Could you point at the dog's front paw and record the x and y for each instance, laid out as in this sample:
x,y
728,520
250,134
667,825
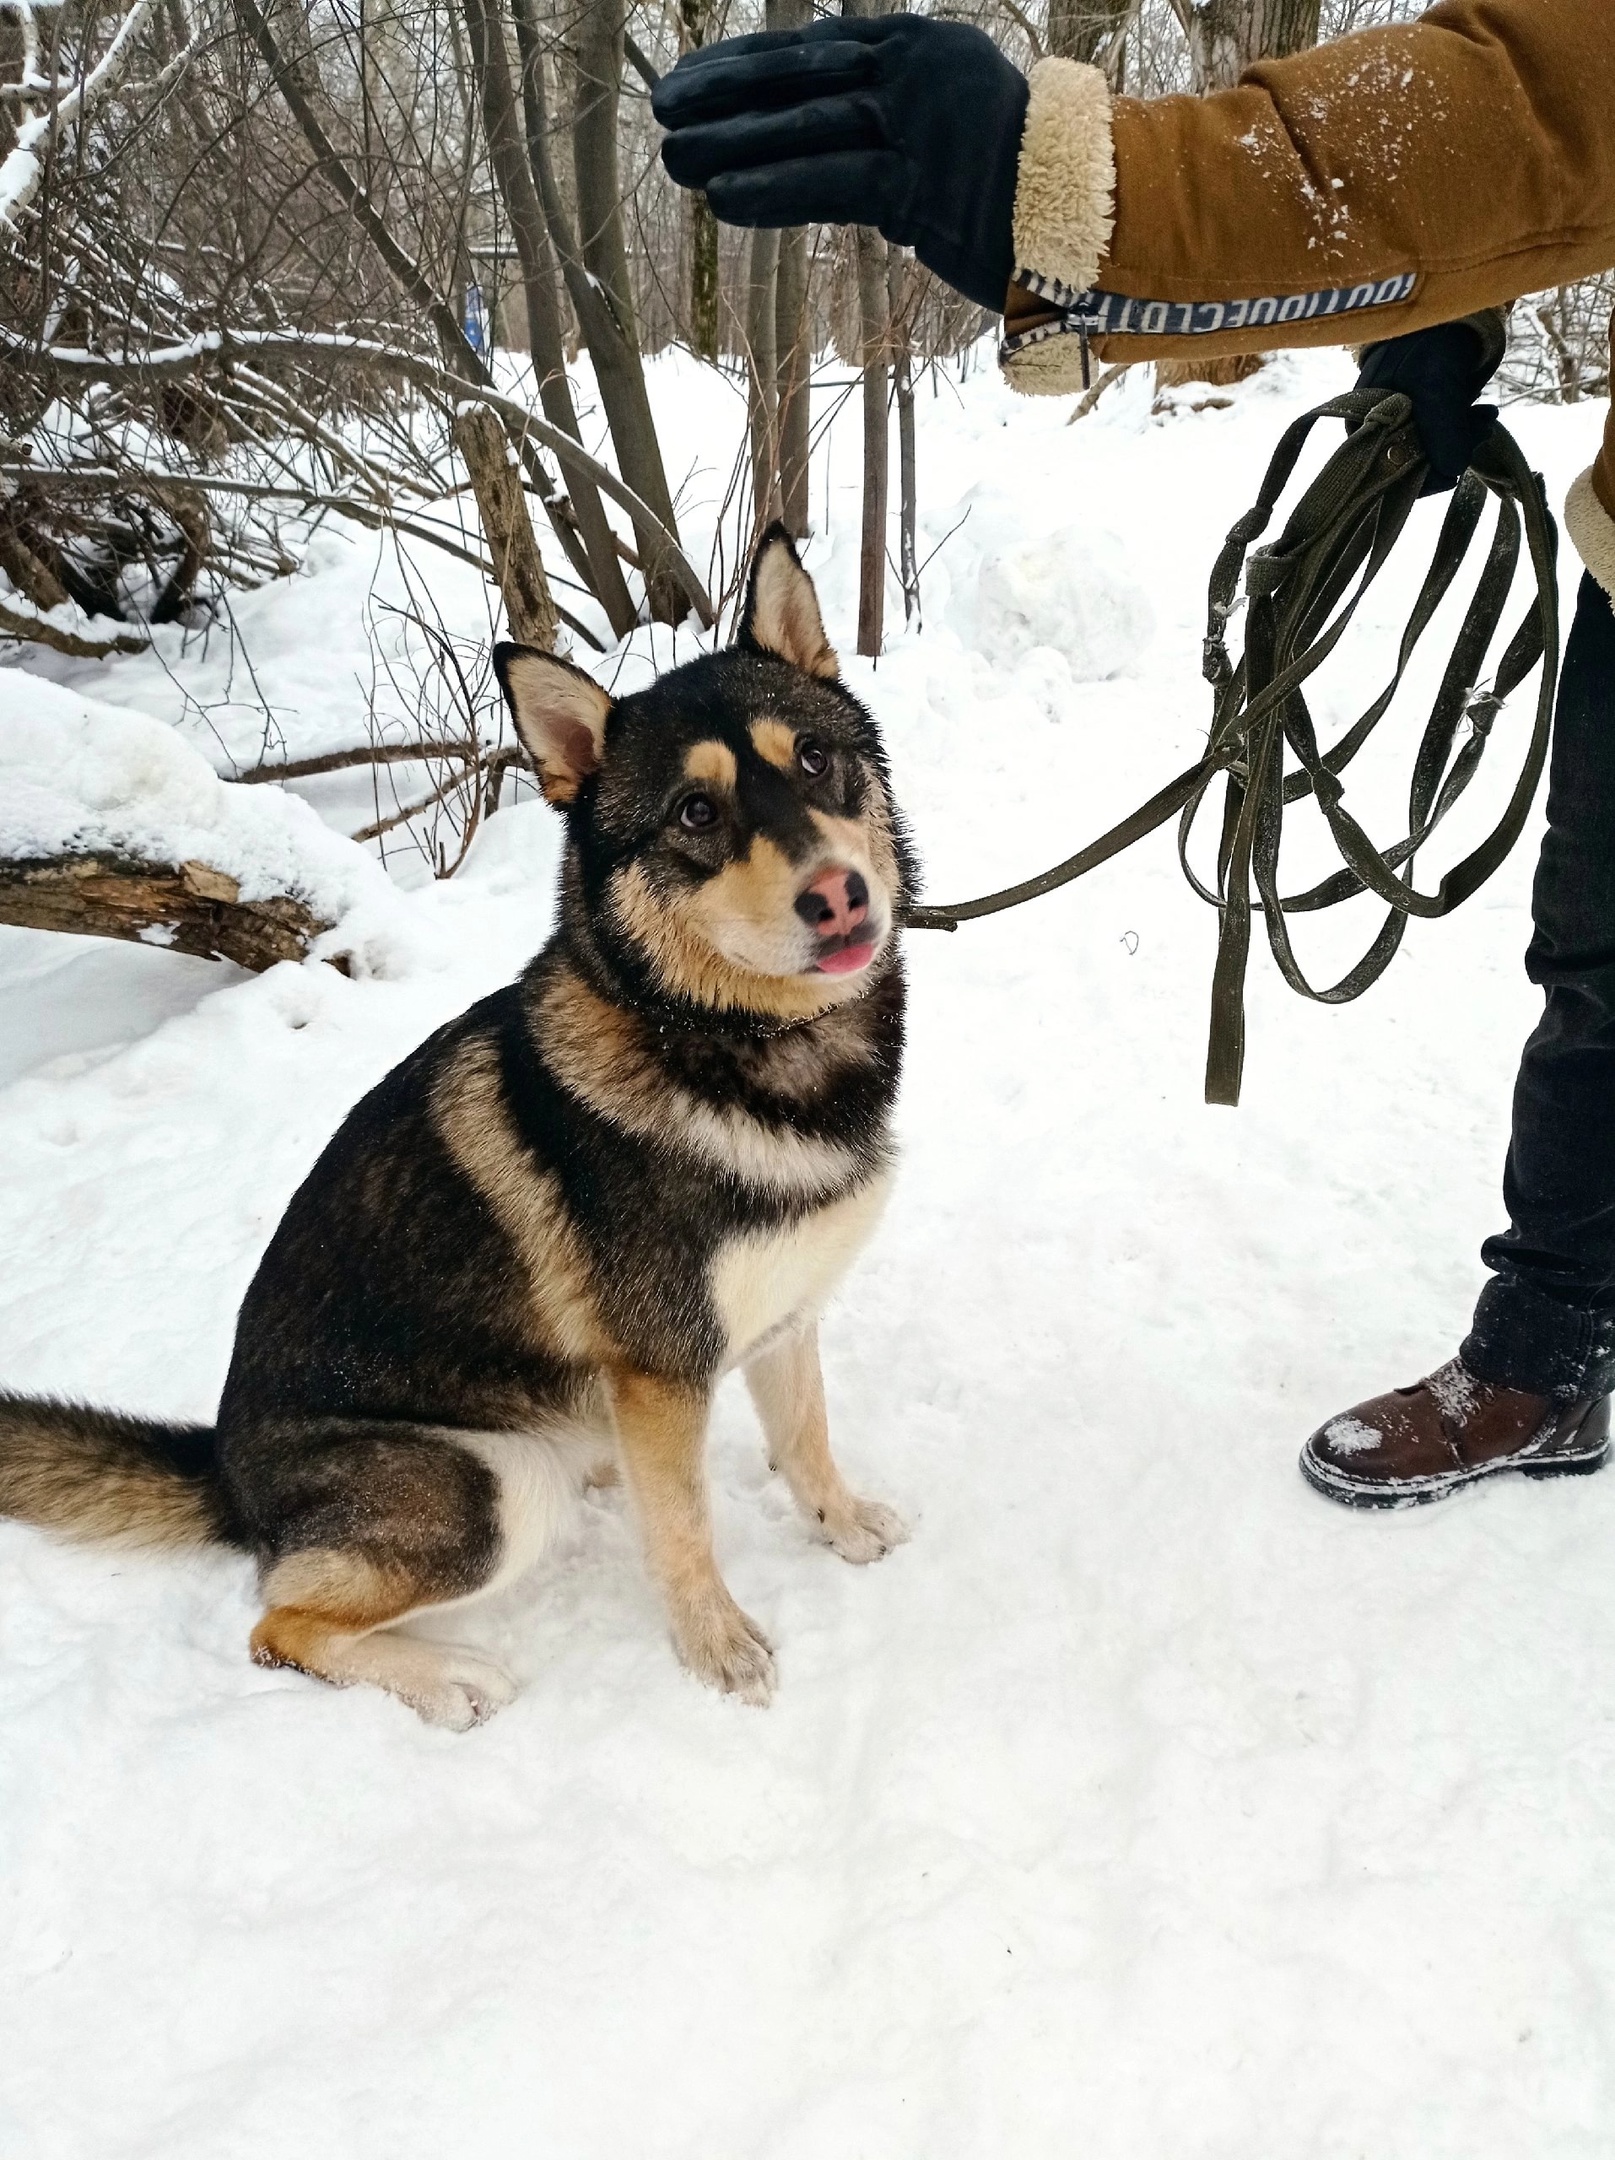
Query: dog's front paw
x,y
862,1530
462,1690
728,1650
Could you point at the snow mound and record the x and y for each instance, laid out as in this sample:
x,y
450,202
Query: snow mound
x,y
80,777
1058,591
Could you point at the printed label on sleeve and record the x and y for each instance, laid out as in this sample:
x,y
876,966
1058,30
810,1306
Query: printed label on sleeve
x,y
1096,314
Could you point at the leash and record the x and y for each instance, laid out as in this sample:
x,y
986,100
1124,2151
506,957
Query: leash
x,y
1301,597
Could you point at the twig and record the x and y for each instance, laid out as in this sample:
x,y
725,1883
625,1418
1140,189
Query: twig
x,y
416,753
499,760
1091,396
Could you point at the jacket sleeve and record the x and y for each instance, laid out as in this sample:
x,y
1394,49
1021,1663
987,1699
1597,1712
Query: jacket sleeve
x,y
1396,178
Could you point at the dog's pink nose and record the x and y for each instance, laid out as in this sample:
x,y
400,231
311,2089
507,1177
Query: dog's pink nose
x,y
835,903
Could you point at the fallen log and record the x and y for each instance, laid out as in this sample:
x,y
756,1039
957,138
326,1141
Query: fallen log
x,y
187,907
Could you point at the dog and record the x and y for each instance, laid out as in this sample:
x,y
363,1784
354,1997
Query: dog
x,y
528,1255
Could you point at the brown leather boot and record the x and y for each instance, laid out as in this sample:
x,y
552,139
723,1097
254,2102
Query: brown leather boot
x,y
1423,1442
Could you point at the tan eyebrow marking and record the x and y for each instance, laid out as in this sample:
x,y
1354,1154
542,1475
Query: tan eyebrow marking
x,y
773,740
713,762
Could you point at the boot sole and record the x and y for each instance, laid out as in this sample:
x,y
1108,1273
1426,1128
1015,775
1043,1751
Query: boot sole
x,y
1383,1493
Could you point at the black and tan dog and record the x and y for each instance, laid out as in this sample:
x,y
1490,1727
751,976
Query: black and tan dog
x,y
536,1246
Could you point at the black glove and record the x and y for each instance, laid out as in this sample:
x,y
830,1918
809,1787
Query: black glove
x,y
1443,370
895,121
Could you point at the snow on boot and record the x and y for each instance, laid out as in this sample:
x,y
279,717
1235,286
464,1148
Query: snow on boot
x,y
1449,1430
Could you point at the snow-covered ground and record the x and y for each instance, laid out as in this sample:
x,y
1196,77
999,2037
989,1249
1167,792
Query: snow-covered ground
x,y
1145,1805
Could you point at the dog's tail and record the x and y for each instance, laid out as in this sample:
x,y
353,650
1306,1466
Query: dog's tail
x,y
109,1479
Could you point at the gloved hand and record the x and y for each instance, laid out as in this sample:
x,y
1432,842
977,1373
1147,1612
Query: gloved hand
x,y
895,121
1443,370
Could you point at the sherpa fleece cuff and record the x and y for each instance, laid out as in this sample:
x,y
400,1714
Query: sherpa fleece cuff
x,y
1065,185
1592,530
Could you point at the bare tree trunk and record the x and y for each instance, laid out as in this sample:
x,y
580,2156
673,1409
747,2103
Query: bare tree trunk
x,y
595,265
1225,36
897,284
508,157
762,381
872,317
704,282
517,566
696,18
873,311
793,332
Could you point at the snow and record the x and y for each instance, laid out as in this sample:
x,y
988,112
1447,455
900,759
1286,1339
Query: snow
x,y
1146,1803
1063,593
81,777
1350,1436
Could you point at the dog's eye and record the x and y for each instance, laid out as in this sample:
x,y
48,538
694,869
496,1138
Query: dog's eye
x,y
698,813
813,758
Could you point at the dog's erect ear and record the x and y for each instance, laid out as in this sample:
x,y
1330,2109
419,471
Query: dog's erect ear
x,y
560,715
782,609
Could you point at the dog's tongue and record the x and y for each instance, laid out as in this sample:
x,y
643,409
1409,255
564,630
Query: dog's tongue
x,y
847,961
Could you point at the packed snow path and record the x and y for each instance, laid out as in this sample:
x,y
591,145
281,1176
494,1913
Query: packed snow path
x,y
1145,1806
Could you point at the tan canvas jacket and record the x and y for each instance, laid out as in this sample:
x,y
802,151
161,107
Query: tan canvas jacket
x,y
1397,178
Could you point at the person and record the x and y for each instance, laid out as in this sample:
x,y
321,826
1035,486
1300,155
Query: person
x,y
1393,186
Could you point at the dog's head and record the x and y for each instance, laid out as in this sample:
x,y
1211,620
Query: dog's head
x,y
732,833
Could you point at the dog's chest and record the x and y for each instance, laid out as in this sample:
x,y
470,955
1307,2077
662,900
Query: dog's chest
x,y
764,1280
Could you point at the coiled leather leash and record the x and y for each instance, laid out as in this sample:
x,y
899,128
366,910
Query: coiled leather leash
x,y
1302,591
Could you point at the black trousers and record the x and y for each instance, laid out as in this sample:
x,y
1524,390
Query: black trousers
x,y
1546,1320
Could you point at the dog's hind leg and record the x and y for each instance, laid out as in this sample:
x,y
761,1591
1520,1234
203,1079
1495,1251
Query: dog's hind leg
x,y
662,1430
787,1387
370,1525
331,1616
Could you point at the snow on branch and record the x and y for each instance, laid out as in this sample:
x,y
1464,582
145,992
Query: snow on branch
x,y
23,169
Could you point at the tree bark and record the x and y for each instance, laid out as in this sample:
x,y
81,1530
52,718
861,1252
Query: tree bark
x,y
872,320
873,314
792,330
696,18
793,333
191,908
897,282
507,154
762,381
517,565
